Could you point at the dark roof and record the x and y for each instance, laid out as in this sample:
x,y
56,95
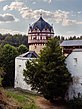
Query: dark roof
x,y
30,54
71,43
41,24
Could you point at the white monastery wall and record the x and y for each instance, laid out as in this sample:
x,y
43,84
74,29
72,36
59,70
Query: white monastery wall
x,y
20,65
74,65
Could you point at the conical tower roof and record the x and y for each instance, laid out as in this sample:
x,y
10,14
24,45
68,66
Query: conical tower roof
x,y
41,24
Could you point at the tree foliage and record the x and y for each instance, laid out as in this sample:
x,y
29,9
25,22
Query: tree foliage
x,y
8,63
22,49
10,47
48,74
14,40
1,49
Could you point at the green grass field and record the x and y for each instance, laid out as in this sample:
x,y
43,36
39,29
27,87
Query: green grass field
x,y
25,100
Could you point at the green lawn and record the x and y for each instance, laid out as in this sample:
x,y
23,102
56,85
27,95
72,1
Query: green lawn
x,y
25,100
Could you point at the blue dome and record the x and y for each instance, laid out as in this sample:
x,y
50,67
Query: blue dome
x,y
41,24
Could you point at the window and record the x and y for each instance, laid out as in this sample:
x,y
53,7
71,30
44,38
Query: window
x,y
34,38
19,65
74,61
35,46
41,37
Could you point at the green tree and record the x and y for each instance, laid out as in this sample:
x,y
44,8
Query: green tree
x,y
48,74
8,63
14,40
22,49
2,73
1,49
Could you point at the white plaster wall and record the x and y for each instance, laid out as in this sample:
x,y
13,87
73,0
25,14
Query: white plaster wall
x,y
75,68
19,78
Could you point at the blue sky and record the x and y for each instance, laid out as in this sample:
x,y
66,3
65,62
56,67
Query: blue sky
x,y
65,15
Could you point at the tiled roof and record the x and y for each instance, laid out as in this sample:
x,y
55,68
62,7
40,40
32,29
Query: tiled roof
x,y
41,24
71,43
30,54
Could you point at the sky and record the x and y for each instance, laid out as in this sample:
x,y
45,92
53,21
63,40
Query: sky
x,y
65,15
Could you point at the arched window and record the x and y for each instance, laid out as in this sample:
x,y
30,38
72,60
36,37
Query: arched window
x,y
41,37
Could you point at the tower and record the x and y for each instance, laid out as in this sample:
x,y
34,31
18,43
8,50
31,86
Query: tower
x,y
38,35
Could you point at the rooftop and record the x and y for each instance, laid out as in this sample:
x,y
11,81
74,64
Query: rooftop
x,y
41,24
77,50
30,54
71,43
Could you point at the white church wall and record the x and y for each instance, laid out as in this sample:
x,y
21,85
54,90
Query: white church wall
x,y
20,65
74,65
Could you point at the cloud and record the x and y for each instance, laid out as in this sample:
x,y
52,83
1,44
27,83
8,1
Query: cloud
x,y
61,16
2,0
78,22
27,13
5,31
49,1
58,16
72,34
7,18
79,12
33,2
14,6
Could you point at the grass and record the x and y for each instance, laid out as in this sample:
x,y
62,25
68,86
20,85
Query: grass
x,y
25,100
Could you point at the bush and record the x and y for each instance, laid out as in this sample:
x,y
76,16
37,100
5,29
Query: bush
x,y
75,103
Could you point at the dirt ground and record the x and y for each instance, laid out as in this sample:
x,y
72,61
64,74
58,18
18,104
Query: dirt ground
x,y
45,104
6,103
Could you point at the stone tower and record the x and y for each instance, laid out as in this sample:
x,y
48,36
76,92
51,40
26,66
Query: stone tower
x,y
38,35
